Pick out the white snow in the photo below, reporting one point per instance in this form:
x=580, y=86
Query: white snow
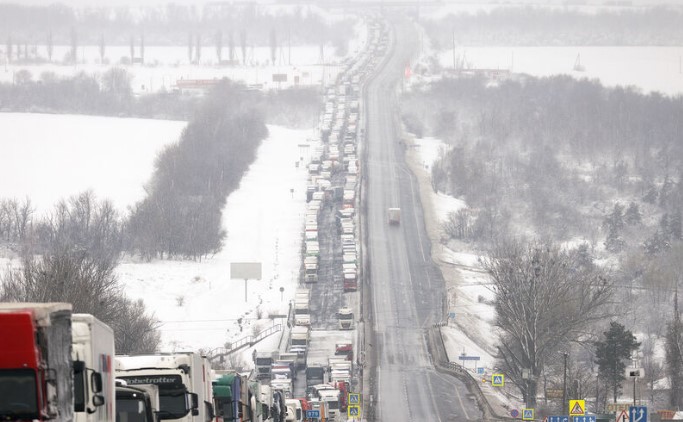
x=164, y=65
x=646, y=68
x=50, y=157
x=264, y=220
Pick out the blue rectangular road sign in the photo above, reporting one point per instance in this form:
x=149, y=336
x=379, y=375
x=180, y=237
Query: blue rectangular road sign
x=558, y=418
x=637, y=414
x=480, y=371
x=585, y=418
x=313, y=414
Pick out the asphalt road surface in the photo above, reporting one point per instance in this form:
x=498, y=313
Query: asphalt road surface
x=407, y=288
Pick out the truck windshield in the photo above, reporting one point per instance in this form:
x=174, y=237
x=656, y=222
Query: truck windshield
x=345, y=316
x=173, y=399
x=172, y=403
x=18, y=395
x=312, y=372
x=130, y=410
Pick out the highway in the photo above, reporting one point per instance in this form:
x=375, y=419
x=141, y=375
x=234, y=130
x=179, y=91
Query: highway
x=407, y=289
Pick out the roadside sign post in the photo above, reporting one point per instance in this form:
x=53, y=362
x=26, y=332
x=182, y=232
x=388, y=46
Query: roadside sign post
x=577, y=407
x=498, y=380
x=313, y=414
x=353, y=412
x=637, y=414
x=245, y=271
x=528, y=414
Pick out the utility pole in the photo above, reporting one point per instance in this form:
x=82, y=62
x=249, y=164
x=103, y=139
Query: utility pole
x=564, y=384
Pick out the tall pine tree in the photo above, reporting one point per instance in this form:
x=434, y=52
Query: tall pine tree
x=611, y=354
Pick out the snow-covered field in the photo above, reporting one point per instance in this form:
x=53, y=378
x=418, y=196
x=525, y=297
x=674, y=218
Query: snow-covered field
x=48, y=157
x=646, y=68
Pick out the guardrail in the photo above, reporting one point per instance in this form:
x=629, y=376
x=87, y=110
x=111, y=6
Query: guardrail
x=442, y=364
x=243, y=342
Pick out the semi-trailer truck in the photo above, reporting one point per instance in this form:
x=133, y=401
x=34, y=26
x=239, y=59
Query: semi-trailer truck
x=55, y=365
x=35, y=362
x=184, y=381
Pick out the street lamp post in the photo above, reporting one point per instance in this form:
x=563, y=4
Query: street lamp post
x=564, y=383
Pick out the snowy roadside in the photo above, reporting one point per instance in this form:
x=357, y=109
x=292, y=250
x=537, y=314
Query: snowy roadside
x=469, y=334
x=198, y=303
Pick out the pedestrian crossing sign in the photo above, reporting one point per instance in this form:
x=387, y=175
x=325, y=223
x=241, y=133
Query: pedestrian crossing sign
x=577, y=407
x=498, y=380
x=354, y=399
x=528, y=414
x=353, y=412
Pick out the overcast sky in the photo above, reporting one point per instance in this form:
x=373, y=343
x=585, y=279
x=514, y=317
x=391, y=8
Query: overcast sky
x=137, y=3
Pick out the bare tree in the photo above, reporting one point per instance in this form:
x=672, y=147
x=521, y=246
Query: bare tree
x=102, y=47
x=273, y=46
x=8, y=48
x=243, y=45
x=142, y=48
x=219, y=46
x=198, y=48
x=231, y=47
x=136, y=331
x=74, y=262
x=543, y=298
x=50, y=46
x=74, y=46
x=190, y=47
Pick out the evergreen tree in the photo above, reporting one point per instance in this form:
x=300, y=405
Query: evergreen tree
x=651, y=195
x=632, y=215
x=674, y=357
x=664, y=226
x=611, y=353
x=656, y=244
x=676, y=226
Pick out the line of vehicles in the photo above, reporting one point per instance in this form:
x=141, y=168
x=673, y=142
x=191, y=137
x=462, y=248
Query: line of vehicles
x=59, y=365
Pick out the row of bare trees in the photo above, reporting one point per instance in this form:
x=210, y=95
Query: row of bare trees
x=62, y=25
x=71, y=256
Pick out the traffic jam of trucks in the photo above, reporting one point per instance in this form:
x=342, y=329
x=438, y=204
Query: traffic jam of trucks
x=57, y=365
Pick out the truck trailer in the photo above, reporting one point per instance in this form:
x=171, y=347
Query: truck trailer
x=92, y=352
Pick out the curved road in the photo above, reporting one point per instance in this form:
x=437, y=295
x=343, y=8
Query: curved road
x=407, y=288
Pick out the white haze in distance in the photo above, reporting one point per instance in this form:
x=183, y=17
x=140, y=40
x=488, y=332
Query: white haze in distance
x=199, y=4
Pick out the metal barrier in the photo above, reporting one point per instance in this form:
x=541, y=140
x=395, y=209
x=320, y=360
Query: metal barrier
x=246, y=341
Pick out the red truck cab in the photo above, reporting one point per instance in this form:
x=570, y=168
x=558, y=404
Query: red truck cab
x=36, y=381
x=22, y=395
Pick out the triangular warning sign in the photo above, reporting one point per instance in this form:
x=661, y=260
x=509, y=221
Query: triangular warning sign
x=577, y=409
x=623, y=416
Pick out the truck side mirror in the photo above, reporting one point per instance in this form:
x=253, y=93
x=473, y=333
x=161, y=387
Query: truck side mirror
x=96, y=382
x=98, y=400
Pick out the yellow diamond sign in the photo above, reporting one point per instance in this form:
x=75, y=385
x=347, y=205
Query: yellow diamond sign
x=577, y=407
